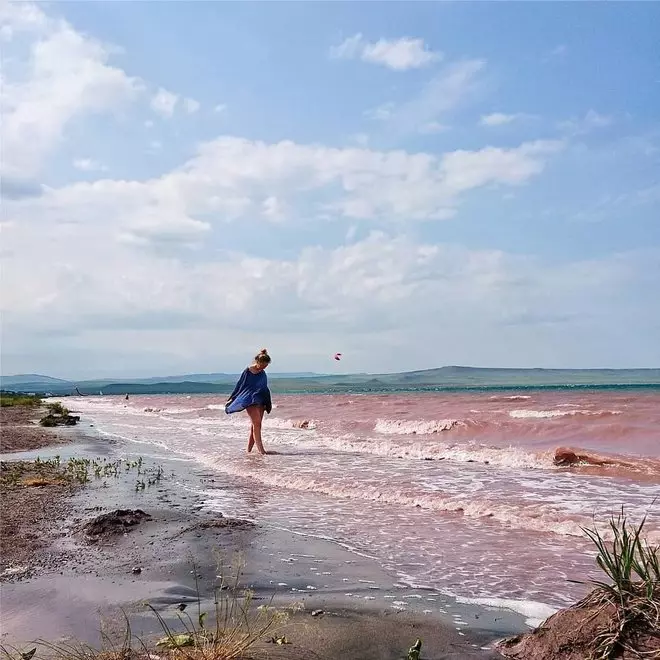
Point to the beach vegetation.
(10, 399)
(619, 618)
(58, 415)
(57, 409)
(632, 567)
(235, 626)
(54, 470)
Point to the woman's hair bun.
(263, 351)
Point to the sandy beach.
(59, 582)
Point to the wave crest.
(546, 414)
(416, 427)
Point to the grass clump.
(58, 415)
(236, 625)
(632, 566)
(10, 399)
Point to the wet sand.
(70, 585)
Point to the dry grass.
(42, 481)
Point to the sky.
(410, 184)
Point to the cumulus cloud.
(164, 102)
(66, 75)
(130, 270)
(437, 302)
(230, 177)
(396, 54)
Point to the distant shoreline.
(121, 389)
(444, 379)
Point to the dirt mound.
(116, 522)
(573, 634)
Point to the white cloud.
(164, 102)
(161, 224)
(592, 120)
(89, 165)
(221, 107)
(457, 83)
(498, 119)
(66, 75)
(468, 306)
(274, 209)
(348, 49)
(454, 85)
(238, 180)
(396, 54)
(191, 106)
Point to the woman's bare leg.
(251, 440)
(256, 415)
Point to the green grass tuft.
(633, 568)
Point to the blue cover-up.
(251, 389)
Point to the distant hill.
(30, 378)
(450, 377)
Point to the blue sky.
(412, 184)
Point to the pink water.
(457, 492)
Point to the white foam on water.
(514, 397)
(546, 414)
(531, 517)
(535, 613)
(415, 427)
(509, 457)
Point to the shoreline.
(181, 528)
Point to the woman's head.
(262, 359)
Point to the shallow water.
(458, 492)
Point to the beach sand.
(57, 585)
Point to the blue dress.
(251, 389)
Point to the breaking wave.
(415, 427)
(519, 515)
(546, 414)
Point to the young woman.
(252, 395)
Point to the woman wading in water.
(252, 395)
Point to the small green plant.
(57, 409)
(237, 625)
(415, 650)
(633, 569)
